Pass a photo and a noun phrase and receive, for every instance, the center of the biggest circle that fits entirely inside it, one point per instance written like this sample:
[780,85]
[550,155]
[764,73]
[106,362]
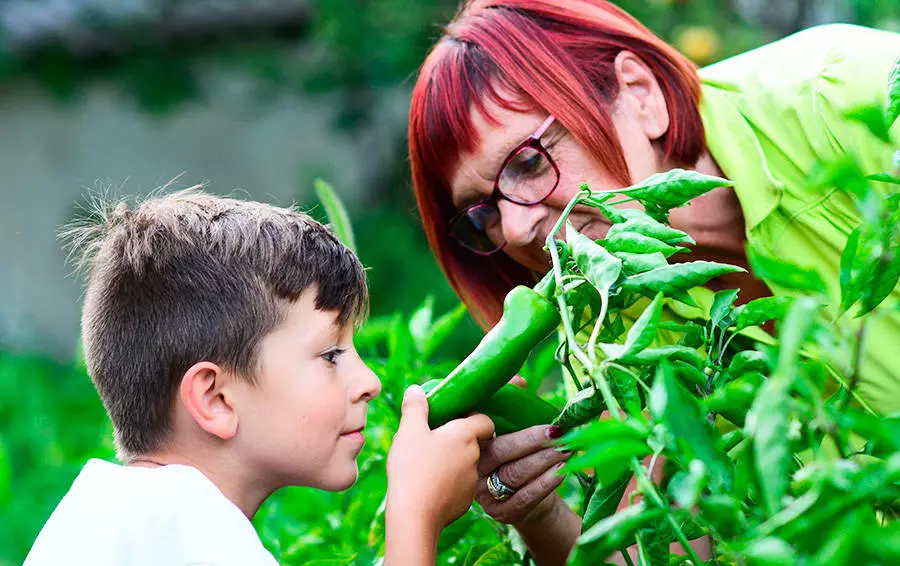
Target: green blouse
[770,115]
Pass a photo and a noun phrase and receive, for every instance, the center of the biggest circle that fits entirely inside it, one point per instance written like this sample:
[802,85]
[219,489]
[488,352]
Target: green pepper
[512,408]
[528,317]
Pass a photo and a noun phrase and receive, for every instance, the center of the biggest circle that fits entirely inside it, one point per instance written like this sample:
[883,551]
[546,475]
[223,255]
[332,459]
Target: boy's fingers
[414,410]
[481,425]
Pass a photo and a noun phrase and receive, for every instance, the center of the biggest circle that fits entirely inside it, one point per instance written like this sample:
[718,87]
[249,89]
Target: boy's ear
[205,394]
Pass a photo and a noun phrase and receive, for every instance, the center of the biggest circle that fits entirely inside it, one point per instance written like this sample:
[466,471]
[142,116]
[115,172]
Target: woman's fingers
[519,473]
[524,501]
[514,446]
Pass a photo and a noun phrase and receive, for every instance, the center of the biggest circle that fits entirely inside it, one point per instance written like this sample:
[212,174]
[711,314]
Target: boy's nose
[369,384]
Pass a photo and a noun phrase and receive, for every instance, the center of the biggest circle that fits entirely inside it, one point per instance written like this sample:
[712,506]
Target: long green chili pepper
[528,317]
[512,408]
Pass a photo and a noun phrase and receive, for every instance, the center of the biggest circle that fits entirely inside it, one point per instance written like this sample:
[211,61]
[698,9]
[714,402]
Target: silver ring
[498,490]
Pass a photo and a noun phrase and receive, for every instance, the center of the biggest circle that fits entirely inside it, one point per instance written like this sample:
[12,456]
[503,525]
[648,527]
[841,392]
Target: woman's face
[522,229]
[639,118]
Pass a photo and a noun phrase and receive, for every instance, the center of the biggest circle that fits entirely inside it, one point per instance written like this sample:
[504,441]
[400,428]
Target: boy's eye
[331,356]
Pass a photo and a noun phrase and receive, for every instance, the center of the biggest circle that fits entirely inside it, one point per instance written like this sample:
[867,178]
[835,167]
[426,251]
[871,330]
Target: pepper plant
[767,448]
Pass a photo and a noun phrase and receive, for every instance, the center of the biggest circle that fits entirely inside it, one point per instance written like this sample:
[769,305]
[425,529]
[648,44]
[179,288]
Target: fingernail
[415,389]
[554,432]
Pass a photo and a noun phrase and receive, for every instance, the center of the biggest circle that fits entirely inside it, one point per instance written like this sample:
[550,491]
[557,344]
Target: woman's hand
[527,462]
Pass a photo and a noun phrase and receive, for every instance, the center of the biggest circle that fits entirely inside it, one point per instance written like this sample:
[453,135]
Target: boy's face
[303,422]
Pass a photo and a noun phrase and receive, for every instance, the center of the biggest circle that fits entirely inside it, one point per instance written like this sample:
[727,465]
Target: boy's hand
[432,474]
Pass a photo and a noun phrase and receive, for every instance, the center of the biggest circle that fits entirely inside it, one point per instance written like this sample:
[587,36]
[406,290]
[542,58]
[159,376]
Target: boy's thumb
[414,409]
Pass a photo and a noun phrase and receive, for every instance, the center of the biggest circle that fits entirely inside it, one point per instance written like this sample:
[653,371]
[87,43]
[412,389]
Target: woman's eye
[528,163]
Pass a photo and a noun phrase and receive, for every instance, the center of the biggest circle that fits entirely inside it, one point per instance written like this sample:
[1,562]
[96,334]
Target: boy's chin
[342,479]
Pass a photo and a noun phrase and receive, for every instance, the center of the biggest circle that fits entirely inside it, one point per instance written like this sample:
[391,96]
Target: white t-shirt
[171,515]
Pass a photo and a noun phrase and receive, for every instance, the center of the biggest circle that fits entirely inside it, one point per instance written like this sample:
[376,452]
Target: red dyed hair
[556,55]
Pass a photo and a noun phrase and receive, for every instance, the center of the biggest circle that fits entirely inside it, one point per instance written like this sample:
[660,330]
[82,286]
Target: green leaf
[748,361]
[476,552]
[420,322]
[680,412]
[604,501]
[619,529]
[673,353]
[784,274]
[893,106]
[872,118]
[770,551]
[586,405]
[639,263]
[649,227]
[839,544]
[624,389]
[735,399]
[337,214]
[442,328]
[884,177]
[598,266]
[609,459]
[5,474]
[643,332]
[500,555]
[678,278]
[797,326]
[674,188]
[759,311]
[721,305]
[686,487]
[631,242]
[767,424]
[618,215]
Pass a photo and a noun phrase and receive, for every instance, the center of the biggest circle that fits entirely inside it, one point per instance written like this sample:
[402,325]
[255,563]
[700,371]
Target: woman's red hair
[556,55]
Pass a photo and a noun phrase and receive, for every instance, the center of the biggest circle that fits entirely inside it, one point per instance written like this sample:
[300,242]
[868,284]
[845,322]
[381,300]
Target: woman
[522,100]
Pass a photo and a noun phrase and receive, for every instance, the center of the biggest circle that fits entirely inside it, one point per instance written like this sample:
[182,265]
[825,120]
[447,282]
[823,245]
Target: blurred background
[257,98]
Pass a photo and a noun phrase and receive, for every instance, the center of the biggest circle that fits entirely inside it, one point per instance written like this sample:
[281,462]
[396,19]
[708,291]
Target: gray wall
[51,155]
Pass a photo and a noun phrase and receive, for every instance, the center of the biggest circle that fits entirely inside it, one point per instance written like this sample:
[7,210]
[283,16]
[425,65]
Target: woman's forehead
[498,131]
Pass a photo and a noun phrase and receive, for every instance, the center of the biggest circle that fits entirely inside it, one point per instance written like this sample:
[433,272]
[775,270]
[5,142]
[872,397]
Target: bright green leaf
[677,278]
[643,332]
[639,263]
[759,311]
[784,274]
[872,118]
[337,214]
[442,328]
[893,106]
[767,424]
[674,188]
[680,412]
[646,226]
[721,305]
[420,322]
[631,242]
[598,266]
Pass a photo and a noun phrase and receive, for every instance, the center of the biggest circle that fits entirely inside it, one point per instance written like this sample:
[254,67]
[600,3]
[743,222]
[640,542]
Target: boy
[219,335]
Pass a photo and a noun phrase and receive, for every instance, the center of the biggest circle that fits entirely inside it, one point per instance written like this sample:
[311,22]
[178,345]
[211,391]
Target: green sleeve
[770,116]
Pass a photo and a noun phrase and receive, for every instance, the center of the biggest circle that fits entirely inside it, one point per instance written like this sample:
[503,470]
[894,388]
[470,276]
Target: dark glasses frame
[533,141]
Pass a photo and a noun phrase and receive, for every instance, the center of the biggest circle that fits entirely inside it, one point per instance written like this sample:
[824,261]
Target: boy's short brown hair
[190,277]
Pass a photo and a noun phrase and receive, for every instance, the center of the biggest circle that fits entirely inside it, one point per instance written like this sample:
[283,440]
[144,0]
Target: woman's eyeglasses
[527,177]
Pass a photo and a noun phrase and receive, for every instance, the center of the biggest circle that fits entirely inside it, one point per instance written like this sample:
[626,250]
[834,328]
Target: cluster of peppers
[480,382]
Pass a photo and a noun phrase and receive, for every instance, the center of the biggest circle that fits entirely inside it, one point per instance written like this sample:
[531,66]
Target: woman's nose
[519,223]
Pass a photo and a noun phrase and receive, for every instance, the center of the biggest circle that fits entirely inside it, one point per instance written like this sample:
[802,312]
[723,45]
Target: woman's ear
[640,95]
[206,394]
